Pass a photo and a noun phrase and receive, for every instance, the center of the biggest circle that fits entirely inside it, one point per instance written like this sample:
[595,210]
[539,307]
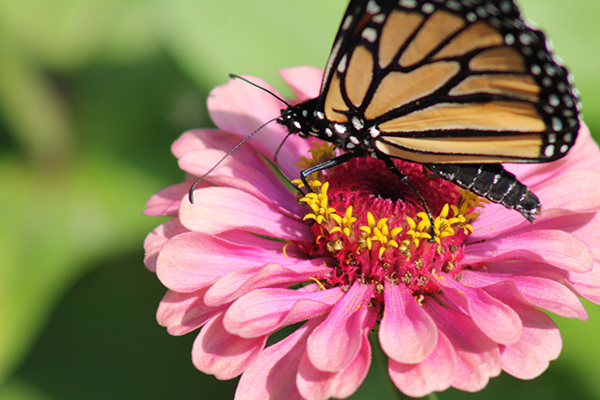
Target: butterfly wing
[450,82]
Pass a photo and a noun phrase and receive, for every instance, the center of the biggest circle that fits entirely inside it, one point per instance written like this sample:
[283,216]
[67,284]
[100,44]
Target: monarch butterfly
[458,86]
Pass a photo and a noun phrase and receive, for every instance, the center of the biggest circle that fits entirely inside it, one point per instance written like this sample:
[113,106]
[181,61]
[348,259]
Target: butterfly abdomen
[493,182]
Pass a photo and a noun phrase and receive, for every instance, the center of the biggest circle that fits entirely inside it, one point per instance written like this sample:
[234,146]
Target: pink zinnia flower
[354,258]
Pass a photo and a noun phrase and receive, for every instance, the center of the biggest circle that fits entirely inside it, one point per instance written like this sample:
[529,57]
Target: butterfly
[459,86]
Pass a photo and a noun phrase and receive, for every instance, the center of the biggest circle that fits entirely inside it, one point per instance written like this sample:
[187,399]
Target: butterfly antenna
[191,191]
[234,76]
[276,156]
[276,162]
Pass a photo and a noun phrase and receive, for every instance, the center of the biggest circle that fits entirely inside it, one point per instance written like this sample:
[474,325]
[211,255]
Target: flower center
[373,228]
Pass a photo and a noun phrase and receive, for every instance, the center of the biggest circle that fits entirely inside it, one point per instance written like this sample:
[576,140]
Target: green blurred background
[92,94]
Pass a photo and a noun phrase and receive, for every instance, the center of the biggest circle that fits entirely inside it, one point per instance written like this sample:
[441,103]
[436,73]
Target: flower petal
[239,282]
[477,356]
[316,384]
[273,374]
[535,291]
[219,209]
[263,311]
[570,193]
[551,246]
[166,201]
[304,81]
[157,238]
[200,139]
[539,344]
[219,353]
[435,373]
[498,321]
[407,333]
[181,313]
[336,342]
[257,180]
[588,284]
[240,108]
[192,260]
[583,155]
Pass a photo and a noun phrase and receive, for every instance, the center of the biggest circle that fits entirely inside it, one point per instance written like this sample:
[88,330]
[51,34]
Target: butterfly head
[305,120]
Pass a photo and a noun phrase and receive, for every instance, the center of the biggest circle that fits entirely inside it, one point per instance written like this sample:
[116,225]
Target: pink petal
[536,291]
[273,374]
[477,357]
[570,193]
[587,230]
[554,247]
[239,282]
[496,320]
[157,238]
[588,284]
[263,311]
[219,353]
[315,384]
[305,81]
[219,209]
[435,373]
[407,333]
[337,341]
[240,108]
[198,139]
[583,155]
[540,344]
[257,180]
[166,201]
[192,260]
[181,313]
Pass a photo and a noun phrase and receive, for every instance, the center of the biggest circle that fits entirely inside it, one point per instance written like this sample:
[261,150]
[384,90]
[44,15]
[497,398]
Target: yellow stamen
[318,283]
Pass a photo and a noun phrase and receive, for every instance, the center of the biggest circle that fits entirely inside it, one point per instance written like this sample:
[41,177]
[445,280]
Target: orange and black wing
[450,82]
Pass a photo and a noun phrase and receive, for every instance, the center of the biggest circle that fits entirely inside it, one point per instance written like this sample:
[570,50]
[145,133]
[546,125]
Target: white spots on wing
[554,100]
[373,7]
[369,34]
[341,68]
[347,22]
[341,129]
[428,8]
[379,18]
[358,123]
[557,124]
[407,3]
[454,5]
[509,39]
[549,151]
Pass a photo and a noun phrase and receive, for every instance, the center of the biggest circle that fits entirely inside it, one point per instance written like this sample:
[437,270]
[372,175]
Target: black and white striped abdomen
[494,183]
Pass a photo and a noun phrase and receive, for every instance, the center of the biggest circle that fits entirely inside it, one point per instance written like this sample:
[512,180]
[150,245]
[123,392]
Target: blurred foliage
[92,94]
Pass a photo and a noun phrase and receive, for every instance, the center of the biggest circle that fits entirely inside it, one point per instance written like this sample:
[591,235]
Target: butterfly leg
[404,179]
[494,183]
[324,165]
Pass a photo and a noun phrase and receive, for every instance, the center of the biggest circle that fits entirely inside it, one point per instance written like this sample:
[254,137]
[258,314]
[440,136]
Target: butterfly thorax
[306,120]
